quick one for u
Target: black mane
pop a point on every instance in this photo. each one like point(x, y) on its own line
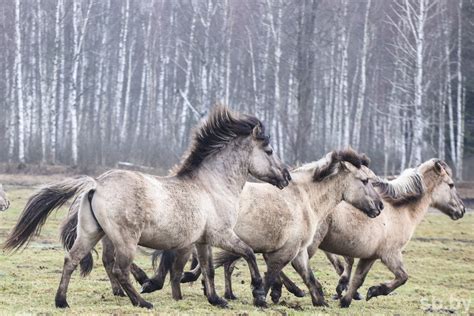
point(221, 127)
point(349, 155)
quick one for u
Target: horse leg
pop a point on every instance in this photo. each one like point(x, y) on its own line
point(336, 262)
point(193, 275)
point(124, 253)
point(345, 276)
point(158, 280)
point(291, 286)
point(301, 264)
point(108, 260)
point(204, 253)
point(82, 246)
point(363, 267)
point(395, 265)
point(228, 269)
point(180, 259)
point(275, 263)
point(229, 241)
point(138, 274)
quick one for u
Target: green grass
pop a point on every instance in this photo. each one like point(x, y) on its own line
point(441, 273)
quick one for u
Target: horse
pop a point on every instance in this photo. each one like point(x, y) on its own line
point(4, 202)
point(407, 200)
point(282, 224)
point(196, 205)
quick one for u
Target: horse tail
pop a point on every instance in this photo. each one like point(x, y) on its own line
point(225, 257)
point(39, 207)
point(68, 235)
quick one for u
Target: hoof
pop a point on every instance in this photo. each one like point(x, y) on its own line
point(149, 287)
point(119, 292)
point(260, 302)
point(61, 303)
point(275, 295)
point(230, 296)
point(188, 277)
point(218, 301)
point(357, 296)
point(345, 302)
point(320, 303)
point(145, 304)
point(372, 292)
point(297, 292)
point(336, 297)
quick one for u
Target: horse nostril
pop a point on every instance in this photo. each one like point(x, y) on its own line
point(380, 205)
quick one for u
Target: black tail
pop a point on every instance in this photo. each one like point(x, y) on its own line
point(167, 259)
point(224, 257)
point(68, 233)
point(40, 206)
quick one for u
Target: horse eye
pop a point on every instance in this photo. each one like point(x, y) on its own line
point(451, 185)
point(269, 152)
point(365, 181)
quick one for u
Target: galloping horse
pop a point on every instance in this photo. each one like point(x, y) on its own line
point(406, 199)
point(282, 224)
point(197, 205)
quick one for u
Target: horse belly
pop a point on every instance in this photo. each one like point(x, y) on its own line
point(174, 230)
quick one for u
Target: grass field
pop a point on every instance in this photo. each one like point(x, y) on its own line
point(440, 262)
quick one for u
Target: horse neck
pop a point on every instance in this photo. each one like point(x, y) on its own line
point(326, 195)
point(226, 170)
point(418, 209)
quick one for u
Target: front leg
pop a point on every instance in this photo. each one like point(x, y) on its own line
point(204, 253)
point(345, 276)
point(301, 265)
point(229, 241)
point(362, 269)
point(395, 265)
point(158, 280)
point(180, 258)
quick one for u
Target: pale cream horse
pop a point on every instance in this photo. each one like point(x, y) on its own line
point(198, 205)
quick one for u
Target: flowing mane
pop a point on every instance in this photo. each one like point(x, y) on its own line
point(327, 165)
point(221, 127)
point(406, 188)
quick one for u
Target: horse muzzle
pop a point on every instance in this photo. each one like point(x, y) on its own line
point(375, 211)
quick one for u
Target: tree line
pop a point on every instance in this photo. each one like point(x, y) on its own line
point(89, 82)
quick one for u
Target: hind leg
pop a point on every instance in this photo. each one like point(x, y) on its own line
point(124, 253)
point(363, 267)
point(108, 260)
point(82, 246)
point(283, 279)
point(158, 280)
point(228, 269)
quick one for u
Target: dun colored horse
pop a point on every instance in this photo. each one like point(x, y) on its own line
point(197, 205)
point(407, 199)
point(282, 224)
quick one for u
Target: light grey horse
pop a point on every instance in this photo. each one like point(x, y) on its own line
point(4, 202)
point(197, 205)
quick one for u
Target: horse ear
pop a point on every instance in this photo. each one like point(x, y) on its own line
point(438, 167)
point(257, 132)
point(345, 165)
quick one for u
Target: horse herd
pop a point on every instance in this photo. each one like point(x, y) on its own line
point(336, 204)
